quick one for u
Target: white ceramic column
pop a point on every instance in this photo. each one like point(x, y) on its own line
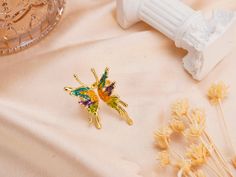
point(208, 41)
point(166, 16)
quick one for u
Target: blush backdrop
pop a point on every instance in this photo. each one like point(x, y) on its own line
point(45, 133)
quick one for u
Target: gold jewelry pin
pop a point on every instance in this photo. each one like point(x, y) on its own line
point(89, 99)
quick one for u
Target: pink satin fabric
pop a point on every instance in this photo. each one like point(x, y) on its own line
point(45, 133)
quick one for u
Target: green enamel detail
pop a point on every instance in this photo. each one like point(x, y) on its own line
point(113, 102)
point(77, 92)
point(93, 108)
point(103, 80)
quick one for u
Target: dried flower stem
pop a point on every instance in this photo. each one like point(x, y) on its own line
point(216, 161)
point(225, 128)
point(201, 151)
point(191, 174)
point(216, 94)
point(180, 173)
point(219, 155)
point(214, 170)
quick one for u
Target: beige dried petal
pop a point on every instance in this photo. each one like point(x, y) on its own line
point(198, 154)
point(185, 166)
point(194, 131)
point(200, 173)
point(164, 158)
point(162, 137)
point(217, 92)
point(198, 115)
point(177, 126)
point(180, 108)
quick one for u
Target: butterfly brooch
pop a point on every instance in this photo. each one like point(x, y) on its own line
point(89, 97)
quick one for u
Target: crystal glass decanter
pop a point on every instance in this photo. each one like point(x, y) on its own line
point(25, 22)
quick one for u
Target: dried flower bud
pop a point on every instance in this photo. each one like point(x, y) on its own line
point(163, 137)
point(177, 126)
point(184, 167)
point(164, 158)
point(217, 92)
point(180, 108)
point(199, 116)
point(194, 131)
point(200, 173)
point(198, 154)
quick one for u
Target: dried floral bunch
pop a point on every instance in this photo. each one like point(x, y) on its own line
point(198, 156)
point(217, 93)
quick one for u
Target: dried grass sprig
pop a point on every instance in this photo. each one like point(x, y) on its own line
point(162, 137)
point(164, 158)
point(199, 150)
point(198, 154)
point(217, 93)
